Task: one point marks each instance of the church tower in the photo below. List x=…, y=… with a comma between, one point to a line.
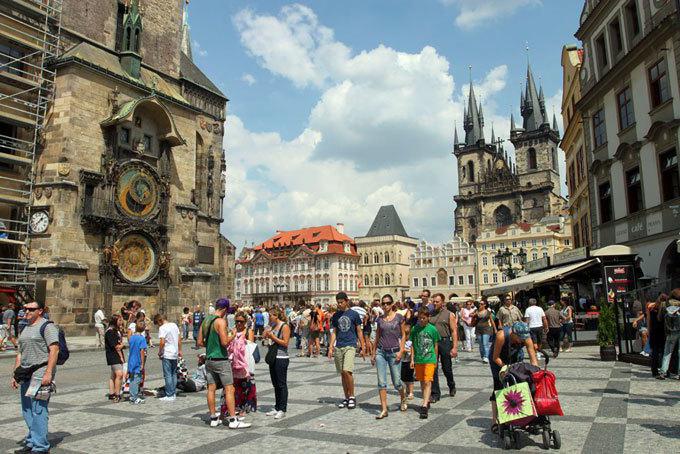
x=536, y=153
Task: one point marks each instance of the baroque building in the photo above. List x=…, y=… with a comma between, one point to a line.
x=129, y=175
x=449, y=268
x=573, y=146
x=384, y=257
x=492, y=190
x=630, y=103
x=543, y=239
x=309, y=265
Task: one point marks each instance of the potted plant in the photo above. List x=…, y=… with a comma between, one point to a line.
x=606, y=331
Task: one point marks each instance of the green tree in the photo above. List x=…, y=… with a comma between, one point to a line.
x=606, y=324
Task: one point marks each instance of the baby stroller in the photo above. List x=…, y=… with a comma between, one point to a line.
x=545, y=401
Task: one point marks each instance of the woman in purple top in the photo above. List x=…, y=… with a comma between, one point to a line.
x=387, y=351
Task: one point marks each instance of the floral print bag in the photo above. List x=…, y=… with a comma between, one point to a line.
x=515, y=405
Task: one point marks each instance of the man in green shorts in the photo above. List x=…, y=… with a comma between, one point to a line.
x=346, y=325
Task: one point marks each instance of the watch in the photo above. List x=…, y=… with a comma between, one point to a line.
x=39, y=222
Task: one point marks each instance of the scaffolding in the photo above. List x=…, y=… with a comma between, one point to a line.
x=29, y=42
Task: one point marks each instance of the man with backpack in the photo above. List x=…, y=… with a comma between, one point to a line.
x=34, y=370
x=196, y=319
x=670, y=311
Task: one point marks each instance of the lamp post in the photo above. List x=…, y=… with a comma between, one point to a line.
x=280, y=288
x=504, y=259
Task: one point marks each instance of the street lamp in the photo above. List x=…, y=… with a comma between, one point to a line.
x=504, y=259
x=280, y=288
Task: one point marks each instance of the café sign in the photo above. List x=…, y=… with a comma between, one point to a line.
x=570, y=256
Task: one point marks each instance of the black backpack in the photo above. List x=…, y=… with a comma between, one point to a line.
x=63, y=348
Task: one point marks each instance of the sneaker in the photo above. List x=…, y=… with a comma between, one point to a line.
x=271, y=413
x=280, y=414
x=561, y=349
x=138, y=401
x=645, y=354
x=568, y=350
x=423, y=412
x=485, y=360
x=167, y=399
x=236, y=424
x=215, y=421
x=343, y=404
x=661, y=377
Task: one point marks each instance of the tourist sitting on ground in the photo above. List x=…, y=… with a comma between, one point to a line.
x=198, y=380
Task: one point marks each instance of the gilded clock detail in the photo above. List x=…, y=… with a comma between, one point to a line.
x=137, y=193
x=136, y=258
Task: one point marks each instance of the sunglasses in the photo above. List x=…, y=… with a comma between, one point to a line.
x=31, y=309
x=240, y=321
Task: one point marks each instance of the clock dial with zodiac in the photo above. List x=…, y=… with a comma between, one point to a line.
x=137, y=258
x=137, y=193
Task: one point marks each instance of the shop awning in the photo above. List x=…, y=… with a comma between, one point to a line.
x=529, y=281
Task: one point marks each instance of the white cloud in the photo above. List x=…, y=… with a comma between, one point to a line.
x=198, y=49
x=248, y=78
x=473, y=13
x=380, y=133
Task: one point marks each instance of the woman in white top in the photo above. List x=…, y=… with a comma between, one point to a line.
x=279, y=335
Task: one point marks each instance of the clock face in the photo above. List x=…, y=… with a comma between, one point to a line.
x=40, y=220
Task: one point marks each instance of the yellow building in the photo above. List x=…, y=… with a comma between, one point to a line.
x=549, y=236
x=574, y=151
x=384, y=257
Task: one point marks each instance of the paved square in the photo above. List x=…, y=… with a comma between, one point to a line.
x=609, y=408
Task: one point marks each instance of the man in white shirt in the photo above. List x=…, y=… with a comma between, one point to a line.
x=537, y=321
x=99, y=318
x=169, y=351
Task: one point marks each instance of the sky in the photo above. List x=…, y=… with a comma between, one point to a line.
x=337, y=107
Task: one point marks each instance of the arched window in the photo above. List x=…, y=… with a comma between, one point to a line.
x=366, y=259
x=387, y=257
x=531, y=159
x=376, y=280
x=376, y=258
x=503, y=216
x=128, y=38
x=136, y=40
x=366, y=281
x=471, y=171
x=387, y=279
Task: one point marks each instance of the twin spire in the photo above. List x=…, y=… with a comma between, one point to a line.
x=532, y=107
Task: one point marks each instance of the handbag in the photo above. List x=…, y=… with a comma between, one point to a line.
x=515, y=405
x=270, y=357
x=545, y=397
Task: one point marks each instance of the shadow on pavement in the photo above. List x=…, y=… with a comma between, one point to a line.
x=669, y=431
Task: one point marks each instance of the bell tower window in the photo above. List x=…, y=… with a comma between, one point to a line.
x=532, y=163
x=471, y=171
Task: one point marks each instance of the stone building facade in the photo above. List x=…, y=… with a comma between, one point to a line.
x=631, y=108
x=572, y=144
x=549, y=236
x=131, y=174
x=309, y=265
x=449, y=268
x=492, y=190
x=384, y=257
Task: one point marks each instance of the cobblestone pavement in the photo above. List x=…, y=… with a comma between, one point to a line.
x=609, y=407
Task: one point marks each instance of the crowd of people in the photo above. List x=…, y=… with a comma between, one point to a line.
x=406, y=342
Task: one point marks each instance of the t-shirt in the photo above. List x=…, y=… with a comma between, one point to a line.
x=131, y=328
x=200, y=378
x=535, y=315
x=359, y=310
x=259, y=319
x=198, y=318
x=8, y=317
x=345, y=323
x=424, y=339
x=554, y=318
x=466, y=315
x=112, y=338
x=170, y=332
x=22, y=320
x=33, y=348
x=137, y=344
x=99, y=318
x=509, y=316
x=441, y=321
x=406, y=357
x=483, y=326
x=390, y=332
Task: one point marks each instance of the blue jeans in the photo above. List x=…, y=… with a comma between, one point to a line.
x=484, y=344
x=170, y=376
x=35, y=415
x=567, y=331
x=135, y=381
x=671, y=340
x=383, y=361
x=185, y=331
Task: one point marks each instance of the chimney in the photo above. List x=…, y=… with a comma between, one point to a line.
x=340, y=227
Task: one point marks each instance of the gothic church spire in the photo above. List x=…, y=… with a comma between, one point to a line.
x=532, y=110
x=474, y=118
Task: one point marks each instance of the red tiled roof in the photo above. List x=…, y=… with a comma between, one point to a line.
x=309, y=236
x=525, y=226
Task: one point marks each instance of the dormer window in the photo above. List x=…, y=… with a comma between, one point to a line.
x=323, y=246
x=346, y=246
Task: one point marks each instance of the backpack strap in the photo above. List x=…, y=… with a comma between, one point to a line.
x=43, y=327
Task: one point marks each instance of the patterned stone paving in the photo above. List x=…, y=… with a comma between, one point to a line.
x=609, y=407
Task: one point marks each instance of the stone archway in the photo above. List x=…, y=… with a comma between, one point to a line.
x=503, y=216
x=669, y=267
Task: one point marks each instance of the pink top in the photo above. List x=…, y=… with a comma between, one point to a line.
x=466, y=315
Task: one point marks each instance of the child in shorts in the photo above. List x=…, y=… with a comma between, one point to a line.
x=424, y=354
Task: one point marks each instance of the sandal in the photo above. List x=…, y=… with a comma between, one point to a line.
x=494, y=428
x=383, y=414
x=351, y=403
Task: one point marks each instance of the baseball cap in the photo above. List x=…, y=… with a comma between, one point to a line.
x=521, y=329
x=222, y=303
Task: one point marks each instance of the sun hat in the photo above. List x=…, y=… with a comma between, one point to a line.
x=521, y=329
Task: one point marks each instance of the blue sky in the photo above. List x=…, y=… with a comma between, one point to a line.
x=337, y=107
